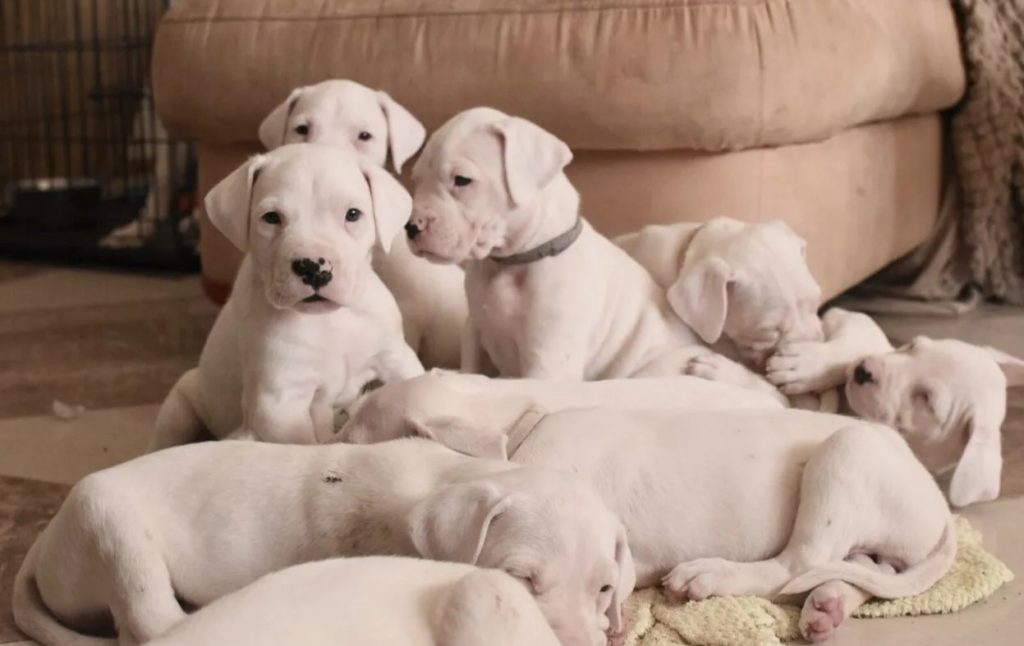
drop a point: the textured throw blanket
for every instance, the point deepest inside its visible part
(747, 621)
(988, 145)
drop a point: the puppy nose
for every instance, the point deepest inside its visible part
(411, 230)
(315, 273)
(861, 375)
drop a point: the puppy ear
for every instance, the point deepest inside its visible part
(457, 435)
(624, 586)
(700, 297)
(273, 129)
(1011, 366)
(977, 474)
(533, 157)
(405, 132)
(490, 607)
(227, 204)
(452, 524)
(392, 204)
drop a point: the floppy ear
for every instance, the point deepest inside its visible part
(452, 524)
(533, 157)
(976, 476)
(272, 130)
(392, 204)
(405, 132)
(626, 583)
(1011, 366)
(227, 203)
(700, 297)
(457, 435)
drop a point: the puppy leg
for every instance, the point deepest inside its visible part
(831, 603)
(716, 367)
(284, 417)
(178, 421)
(143, 601)
(806, 367)
(398, 363)
(829, 523)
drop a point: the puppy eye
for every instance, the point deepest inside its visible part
(302, 129)
(606, 588)
(353, 215)
(272, 217)
(461, 180)
(528, 581)
(365, 136)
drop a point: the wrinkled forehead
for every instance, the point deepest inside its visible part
(313, 178)
(463, 138)
(340, 99)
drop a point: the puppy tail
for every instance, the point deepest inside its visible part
(178, 421)
(33, 617)
(910, 582)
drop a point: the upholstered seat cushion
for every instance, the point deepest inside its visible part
(603, 74)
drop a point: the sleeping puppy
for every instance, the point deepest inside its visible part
(744, 287)
(197, 522)
(503, 409)
(549, 297)
(371, 601)
(758, 502)
(371, 124)
(946, 397)
(308, 323)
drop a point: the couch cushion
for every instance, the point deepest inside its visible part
(602, 74)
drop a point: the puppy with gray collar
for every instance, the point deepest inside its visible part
(549, 297)
(194, 523)
(947, 398)
(308, 323)
(373, 125)
(371, 600)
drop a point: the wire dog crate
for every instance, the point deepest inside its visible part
(87, 172)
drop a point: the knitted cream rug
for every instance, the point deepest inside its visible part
(748, 621)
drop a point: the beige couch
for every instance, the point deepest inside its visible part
(821, 112)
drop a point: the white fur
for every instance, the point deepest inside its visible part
(946, 397)
(430, 296)
(591, 312)
(372, 600)
(765, 503)
(431, 405)
(275, 364)
(200, 521)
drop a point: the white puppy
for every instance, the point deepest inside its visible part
(372, 124)
(744, 287)
(504, 409)
(946, 397)
(372, 601)
(308, 323)
(764, 503)
(197, 522)
(549, 296)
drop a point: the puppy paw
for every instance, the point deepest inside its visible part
(798, 368)
(699, 579)
(715, 367)
(822, 612)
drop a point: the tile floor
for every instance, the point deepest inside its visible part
(115, 343)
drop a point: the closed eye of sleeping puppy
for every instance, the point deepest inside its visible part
(549, 297)
(947, 398)
(308, 323)
(767, 503)
(197, 522)
(371, 601)
(370, 123)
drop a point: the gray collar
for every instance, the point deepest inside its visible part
(521, 430)
(552, 247)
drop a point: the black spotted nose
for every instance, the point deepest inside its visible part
(411, 230)
(862, 375)
(315, 273)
